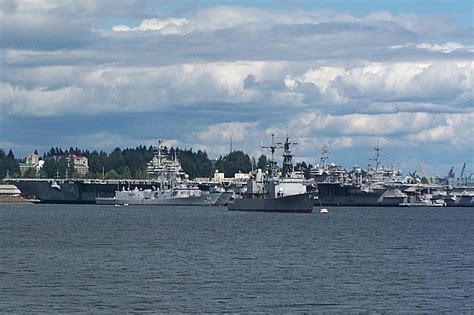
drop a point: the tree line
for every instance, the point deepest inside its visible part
(129, 163)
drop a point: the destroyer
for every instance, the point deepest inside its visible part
(270, 192)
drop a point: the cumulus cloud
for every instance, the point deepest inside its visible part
(457, 130)
(129, 89)
(441, 81)
(44, 90)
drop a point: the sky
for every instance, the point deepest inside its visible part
(349, 74)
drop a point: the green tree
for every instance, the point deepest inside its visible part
(8, 165)
(70, 168)
(10, 155)
(42, 174)
(112, 174)
(262, 163)
(126, 173)
(76, 175)
(50, 167)
(236, 161)
(30, 173)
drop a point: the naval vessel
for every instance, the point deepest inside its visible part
(335, 186)
(274, 192)
(175, 189)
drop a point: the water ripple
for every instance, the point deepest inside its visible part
(92, 259)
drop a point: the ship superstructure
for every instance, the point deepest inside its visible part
(165, 169)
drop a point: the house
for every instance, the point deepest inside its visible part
(31, 161)
(81, 163)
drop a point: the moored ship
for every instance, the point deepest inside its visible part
(178, 196)
(274, 193)
(174, 188)
(338, 187)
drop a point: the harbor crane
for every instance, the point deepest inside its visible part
(462, 170)
(451, 172)
(423, 171)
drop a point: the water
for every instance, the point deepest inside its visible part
(88, 258)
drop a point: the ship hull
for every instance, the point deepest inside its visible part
(74, 191)
(460, 201)
(295, 203)
(333, 194)
(203, 200)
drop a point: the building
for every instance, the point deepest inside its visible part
(81, 163)
(31, 161)
(218, 177)
(241, 176)
(9, 191)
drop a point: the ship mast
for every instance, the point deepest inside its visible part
(287, 157)
(158, 150)
(272, 147)
(373, 169)
(377, 156)
(324, 155)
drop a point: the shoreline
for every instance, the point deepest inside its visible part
(13, 199)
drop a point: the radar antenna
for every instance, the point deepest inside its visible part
(324, 155)
(272, 147)
(287, 156)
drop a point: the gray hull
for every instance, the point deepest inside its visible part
(74, 190)
(333, 194)
(203, 200)
(226, 198)
(295, 203)
(460, 201)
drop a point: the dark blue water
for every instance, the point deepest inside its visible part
(87, 258)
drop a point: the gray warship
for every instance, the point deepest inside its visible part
(176, 196)
(173, 189)
(337, 187)
(273, 192)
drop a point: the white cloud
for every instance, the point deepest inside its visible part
(130, 89)
(458, 130)
(444, 48)
(164, 26)
(121, 28)
(45, 91)
(390, 82)
(40, 101)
